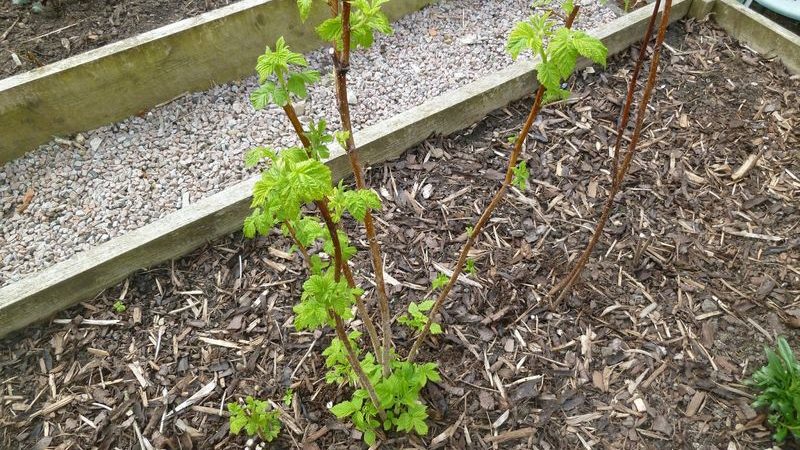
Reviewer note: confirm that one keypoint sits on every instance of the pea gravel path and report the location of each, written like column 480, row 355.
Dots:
column 118, row 178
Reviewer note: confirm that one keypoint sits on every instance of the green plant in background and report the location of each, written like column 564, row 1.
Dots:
column 288, row 398
column 779, row 383
column 256, row 418
column 417, row 317
column 119, row 307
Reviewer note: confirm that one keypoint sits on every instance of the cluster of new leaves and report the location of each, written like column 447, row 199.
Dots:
column 521, row 175
column 366, row 18
column 356, row 202
column 292, row 180
column 399, row 396
column 256, row 418
column 417, row 317
column 339, row 369
column 558, row 48
column 322, row 298
column 281, row 74
column 779, row 383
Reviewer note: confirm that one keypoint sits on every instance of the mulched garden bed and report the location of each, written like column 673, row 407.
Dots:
column 695, row 274
column 67, row 27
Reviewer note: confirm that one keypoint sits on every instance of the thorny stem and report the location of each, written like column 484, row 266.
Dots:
column 342, row 64
column 619, row 175
column 487, row 213
column 340, row 266
column 626, row 110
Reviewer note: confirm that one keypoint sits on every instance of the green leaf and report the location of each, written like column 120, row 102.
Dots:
column 548, row 75
column 529, row 35
column 319, row 139
column 331, row 30
column 568, row 6
column 321, row 293
column 521, row 176
column 356, row 202
column 308, row 230
column 262, row 96
column 296, row 84
column 311, row 180
column 590, row 47
column 470, row 266
column 555, row 95
column 277, row 62
column 343, row 409
column 440, row 281
column 561, row 53
column 347, row 250
column 305, row 8
column 256, row 154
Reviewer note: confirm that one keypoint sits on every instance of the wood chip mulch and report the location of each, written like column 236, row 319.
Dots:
column 698, row 269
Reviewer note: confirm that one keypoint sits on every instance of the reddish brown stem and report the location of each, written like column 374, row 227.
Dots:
column 342, row 64
column 619, row 176
column 487, row 213
column 626, row 109
column 339, row 264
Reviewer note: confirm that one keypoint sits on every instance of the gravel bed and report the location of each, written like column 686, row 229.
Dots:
column 117, row 178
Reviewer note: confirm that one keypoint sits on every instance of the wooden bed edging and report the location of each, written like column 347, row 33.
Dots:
column 81, row 277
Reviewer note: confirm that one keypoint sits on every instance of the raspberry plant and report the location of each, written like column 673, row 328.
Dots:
column 256, row 418
column 385, row 388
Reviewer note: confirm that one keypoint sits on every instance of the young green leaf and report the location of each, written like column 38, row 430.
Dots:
column 440, row 281
column 257, row 154
column 568, row 6
column 321, row 294
column 256, row 418
column 779, row 383
column 319, row 139
column 356, row 202
column 529, row 35
column 277, row 61
column 469, row 268
column 297, row 82
column 521, row 176
column 590, row 47
column 304, row 6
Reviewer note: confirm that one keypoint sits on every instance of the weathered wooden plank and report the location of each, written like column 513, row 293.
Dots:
column 111, row 83
column 81, row 277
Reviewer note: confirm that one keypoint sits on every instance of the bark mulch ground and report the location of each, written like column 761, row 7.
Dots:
column 67, row 27
column 696, row 272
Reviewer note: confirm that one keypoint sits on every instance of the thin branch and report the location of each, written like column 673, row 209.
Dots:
column 626, row 110
column 487, row 213
column 342, row 64
column 619, row 176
